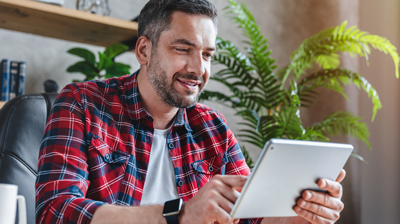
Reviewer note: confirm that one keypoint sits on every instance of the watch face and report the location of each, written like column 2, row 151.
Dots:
column 172, row 206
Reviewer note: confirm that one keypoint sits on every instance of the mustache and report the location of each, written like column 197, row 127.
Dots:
column 190, row 76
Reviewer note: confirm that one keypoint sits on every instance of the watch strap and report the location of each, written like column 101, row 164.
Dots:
column 171, row 210
column 172, row 219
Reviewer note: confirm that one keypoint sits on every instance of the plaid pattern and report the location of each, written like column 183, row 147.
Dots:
column 96, row 149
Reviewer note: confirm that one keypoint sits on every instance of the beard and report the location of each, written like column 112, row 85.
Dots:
column 164, row 86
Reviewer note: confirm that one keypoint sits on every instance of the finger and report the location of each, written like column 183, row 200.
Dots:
column 323, row 199
column 235, row 221
column 311, row 217
column 319, row 209
column 233, row 181
column 225, row 204
column 341, row 176
column 223, row 217
column 334, row 188
column 238, row 189
column 216, row 213
column 224, row 190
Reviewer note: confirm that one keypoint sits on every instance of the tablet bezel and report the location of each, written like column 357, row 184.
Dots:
column 344, row 151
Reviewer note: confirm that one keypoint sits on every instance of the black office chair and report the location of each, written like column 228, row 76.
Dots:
column 22, row 123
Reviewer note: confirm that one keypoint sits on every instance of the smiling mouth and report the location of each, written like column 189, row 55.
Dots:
column 189, row 83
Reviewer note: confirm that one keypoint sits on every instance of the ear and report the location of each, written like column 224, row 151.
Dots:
column 143, row 50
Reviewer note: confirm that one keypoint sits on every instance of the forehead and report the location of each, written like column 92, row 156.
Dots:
column 198, row 29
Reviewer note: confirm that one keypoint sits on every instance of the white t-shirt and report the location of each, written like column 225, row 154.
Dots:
column 159, row 185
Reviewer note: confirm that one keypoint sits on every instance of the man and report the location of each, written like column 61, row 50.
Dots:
column 114, row 151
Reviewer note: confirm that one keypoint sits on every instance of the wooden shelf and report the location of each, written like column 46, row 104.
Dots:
column 62, row 23
column 2, row 104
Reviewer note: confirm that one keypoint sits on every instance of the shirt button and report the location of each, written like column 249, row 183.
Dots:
column 171, row 146
column 180, row 183
column 210, row 168
column 107, row 156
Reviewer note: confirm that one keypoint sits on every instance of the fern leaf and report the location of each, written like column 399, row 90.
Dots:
column 322, row 48
column 359, row 157
column 289, row 120
column 249, row 161
column 252, row 140
column 220, row 97
column 259, row 54
column 312, row 135
column 343, row 122
column 334, row 78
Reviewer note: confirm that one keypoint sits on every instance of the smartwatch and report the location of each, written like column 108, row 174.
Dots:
column 171, row 210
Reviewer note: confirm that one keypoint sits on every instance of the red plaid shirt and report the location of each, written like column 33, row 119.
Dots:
column 96, row 150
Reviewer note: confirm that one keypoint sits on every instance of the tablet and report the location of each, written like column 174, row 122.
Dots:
column 283, row 171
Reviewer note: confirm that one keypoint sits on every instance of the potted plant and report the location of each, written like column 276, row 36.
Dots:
column 105, row 67
column 268, row 99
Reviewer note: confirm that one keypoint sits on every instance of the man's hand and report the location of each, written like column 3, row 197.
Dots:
column 214, row 201
column 321, row 208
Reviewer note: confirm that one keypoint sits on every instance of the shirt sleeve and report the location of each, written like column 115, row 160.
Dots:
column 62, row 180
column 237, row 166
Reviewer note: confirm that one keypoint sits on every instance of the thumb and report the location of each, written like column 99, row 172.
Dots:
column 341, row 176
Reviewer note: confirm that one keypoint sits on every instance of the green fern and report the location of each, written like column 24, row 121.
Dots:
column 324, row 46
column 332, row 79
column 247, row 157
column 345, row 122
column 256, row 86
column 288, row 120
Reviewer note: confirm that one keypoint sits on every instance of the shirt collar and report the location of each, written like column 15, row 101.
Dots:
column 135, row 107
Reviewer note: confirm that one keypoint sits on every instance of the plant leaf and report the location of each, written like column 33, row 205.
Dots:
column 114, row 50
column 343, row 122
column 322, row 48
column 85, row 68
column 249, row 161
column 219, row 97
column 359, row 157
column 116, row 70
column 334, row 78
column 104, row 62
column 85, row 54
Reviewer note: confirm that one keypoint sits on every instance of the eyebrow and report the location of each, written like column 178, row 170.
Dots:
column 187, row 42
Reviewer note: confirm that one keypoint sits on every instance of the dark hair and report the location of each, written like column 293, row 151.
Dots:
column 155, row 16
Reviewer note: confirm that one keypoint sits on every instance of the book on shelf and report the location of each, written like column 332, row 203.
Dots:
column 5, row 79
column 12, row 79
column 21, row 78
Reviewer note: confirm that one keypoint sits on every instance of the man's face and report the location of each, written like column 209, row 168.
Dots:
column 179, row 67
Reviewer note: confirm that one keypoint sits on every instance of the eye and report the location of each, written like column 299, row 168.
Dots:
column 207, row 56
column 182, row 49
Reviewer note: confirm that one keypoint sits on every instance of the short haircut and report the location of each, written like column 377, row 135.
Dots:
column 156, row 15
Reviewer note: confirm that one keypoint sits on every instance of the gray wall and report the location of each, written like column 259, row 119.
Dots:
column 380, row 179
column 47, row 58
column 371, row 190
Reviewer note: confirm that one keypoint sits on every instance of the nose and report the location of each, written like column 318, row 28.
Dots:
column 196, row 65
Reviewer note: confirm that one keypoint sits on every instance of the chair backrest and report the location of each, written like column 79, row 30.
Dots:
column 22, row 123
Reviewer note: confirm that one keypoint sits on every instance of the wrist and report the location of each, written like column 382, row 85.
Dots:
column 172, row 209
column 182, row 214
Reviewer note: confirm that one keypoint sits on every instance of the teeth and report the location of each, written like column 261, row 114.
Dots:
column 191, row 84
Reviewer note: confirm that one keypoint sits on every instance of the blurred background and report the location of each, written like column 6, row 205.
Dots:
column 372, row 193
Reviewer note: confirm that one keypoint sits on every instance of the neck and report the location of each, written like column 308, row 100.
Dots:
column 162, row 113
